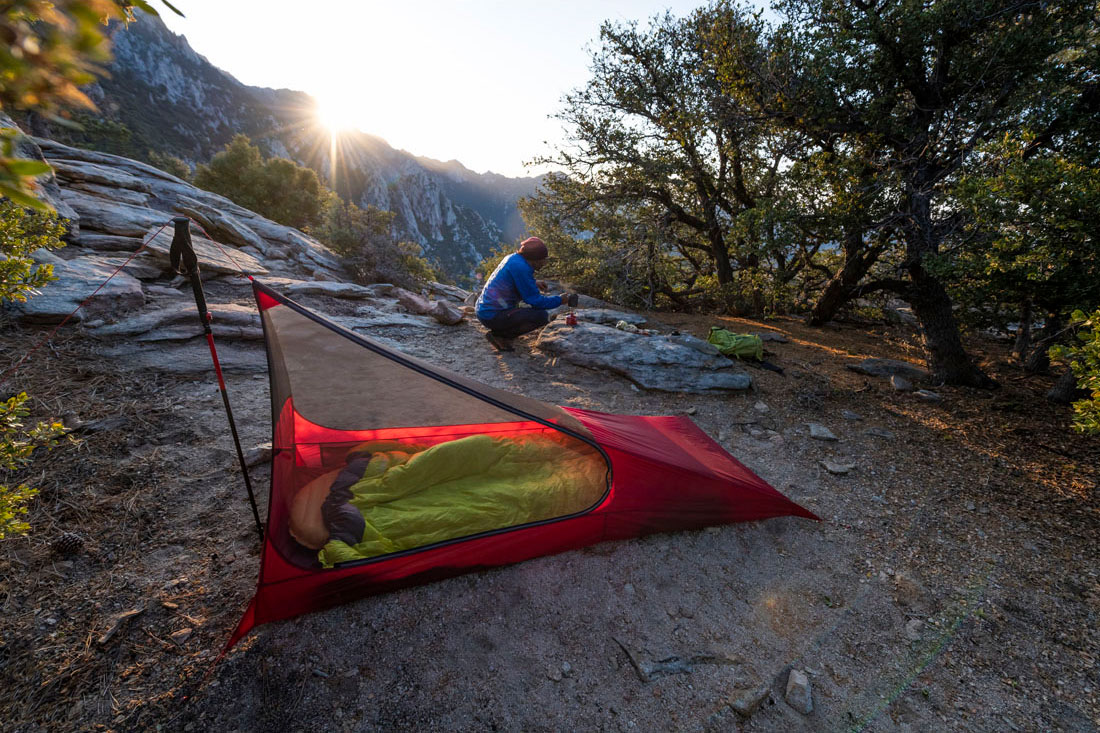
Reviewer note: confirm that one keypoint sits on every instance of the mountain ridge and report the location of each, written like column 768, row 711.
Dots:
column 163, row 96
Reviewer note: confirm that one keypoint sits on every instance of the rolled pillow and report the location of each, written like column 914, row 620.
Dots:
column 306, row 524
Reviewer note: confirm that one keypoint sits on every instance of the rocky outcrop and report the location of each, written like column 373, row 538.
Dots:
column 77, row 280
column 47, row 188
column 212, row 257
column 119, row 203
column 116, row 206
column 651, row 362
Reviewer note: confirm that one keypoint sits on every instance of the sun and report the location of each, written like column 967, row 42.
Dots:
column 336, row 113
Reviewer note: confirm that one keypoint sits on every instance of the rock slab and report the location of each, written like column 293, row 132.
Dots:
column 651, row 362
column 76, row 281
column 212, row 257
column 889, row 367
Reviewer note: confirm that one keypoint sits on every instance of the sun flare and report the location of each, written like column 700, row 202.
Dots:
column 336, row 114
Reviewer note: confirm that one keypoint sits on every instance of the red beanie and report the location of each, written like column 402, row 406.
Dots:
column 533, row 249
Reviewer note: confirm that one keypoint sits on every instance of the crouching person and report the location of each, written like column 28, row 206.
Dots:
column 498, row 307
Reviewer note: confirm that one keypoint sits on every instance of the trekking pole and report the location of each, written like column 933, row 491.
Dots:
column 184, row 261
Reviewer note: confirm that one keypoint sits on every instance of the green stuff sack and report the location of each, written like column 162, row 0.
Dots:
column 740, row 345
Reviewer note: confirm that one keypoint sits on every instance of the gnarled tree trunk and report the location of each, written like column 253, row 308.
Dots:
column 1038, row 362
column 947, row 359
column 1023, row 332
column 838, row 291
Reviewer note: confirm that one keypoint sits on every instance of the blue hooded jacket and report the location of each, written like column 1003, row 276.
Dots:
column 512, row 281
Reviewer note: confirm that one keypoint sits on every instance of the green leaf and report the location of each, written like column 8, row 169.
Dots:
column 23, row 199
column 27, row 168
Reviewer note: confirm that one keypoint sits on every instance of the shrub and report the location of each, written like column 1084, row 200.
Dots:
column 364, row 237
column 1084, row 360
column 17, row 444
column 23, row 231
column 277, row 188
column 170, row 164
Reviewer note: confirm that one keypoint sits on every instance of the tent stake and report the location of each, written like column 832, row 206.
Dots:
column 185, row 262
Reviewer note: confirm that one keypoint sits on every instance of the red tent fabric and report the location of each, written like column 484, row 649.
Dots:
column 332, row 389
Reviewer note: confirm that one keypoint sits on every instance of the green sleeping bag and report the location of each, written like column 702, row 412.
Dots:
column 462, row 487
column 739, row 345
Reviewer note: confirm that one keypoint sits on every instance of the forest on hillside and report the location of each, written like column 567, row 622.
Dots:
column 824, row 157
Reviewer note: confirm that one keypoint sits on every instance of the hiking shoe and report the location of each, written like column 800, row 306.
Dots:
column 499, row 343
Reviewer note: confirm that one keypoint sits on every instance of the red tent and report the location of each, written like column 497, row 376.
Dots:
column 369, row 441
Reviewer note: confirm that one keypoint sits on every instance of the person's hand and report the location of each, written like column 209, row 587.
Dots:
column 570, row 299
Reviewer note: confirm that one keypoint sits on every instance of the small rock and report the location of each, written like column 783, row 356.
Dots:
column 820, row 432
column 879, row 433
column 901, row 384
column 746, row 702
column 445, row 313
column 914, row 629
column 181, row 636
column 567, row 669
column 690, row 410
column 555, row 675
column 260, row 454
column 412, row 302
column 773, row 336
column 321, row 673
column 798, row 692
column 761, row 407
column 928, row 395
column 849, row 415
column 838, row 468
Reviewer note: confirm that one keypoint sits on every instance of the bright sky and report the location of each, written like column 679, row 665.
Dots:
column 472, row 80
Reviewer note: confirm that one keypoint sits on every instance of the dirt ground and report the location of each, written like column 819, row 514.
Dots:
column 952, row 584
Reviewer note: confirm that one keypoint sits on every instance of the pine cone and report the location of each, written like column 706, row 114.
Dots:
column 68, row 544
